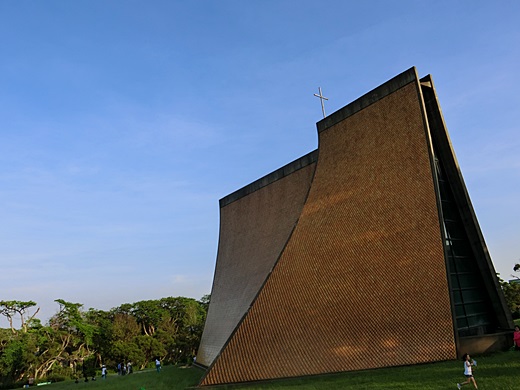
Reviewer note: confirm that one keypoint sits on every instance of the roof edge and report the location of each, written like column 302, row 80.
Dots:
column 264, row 181
column 369, row 98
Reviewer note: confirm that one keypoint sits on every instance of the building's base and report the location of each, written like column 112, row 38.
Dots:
column 481, row 344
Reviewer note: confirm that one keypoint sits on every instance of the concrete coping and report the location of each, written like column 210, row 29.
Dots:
column 369, row 98
column 280, row 173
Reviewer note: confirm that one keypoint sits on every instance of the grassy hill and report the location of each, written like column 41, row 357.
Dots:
column 498, row 371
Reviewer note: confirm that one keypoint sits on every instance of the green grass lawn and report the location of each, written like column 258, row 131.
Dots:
column 498, row 371
column 170, row 377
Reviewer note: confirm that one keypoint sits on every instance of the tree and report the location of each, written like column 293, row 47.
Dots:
column 148, row 314
column 512, row 295
column 150, row 347
column 125, row 327
column 204, row 301
column 511, row 292
column 72, row 333
column 12, row 364
column 185, row 322
column 102, row 342
column 10, row 309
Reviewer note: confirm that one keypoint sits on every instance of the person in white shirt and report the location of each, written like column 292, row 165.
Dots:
column 468, row 371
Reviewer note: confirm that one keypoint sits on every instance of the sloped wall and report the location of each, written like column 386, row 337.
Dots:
column 362, row 281
column 253, row 231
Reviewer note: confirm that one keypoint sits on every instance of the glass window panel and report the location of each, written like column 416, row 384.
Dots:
column 457, row 297
column 462, row 323
column 468, row 281
column 462, row 250
column 459, row 311
column 475, row 308
column 455, row 230
column 451, row 263
column 454, row 281
column 449, row 212
column 471, row 296
column 463, row 264
column 478, row 320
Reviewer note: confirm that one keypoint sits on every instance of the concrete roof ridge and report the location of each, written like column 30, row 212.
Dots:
column 369, row 98
column 278, row 174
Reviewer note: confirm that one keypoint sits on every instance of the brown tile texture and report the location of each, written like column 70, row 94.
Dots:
column 362, row 282
column 253, row 232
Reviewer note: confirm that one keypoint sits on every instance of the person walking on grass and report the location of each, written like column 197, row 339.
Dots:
column 468, row 372
column 158, row 365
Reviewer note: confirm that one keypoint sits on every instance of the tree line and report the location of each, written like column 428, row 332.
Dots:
column 76, row 342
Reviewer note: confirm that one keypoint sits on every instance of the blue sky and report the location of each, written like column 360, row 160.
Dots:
column 122, row 123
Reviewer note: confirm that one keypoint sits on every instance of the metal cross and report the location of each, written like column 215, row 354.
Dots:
column 322, row 98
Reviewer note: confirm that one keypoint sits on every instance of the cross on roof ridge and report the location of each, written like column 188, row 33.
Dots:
column 322, row 98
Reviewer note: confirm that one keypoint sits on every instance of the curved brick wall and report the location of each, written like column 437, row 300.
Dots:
column 362, row 281
column 253, row 231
